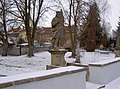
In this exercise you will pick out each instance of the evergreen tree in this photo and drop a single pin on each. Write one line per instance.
(92, 31)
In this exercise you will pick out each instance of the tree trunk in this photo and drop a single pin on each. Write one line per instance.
(71, 35)
(75, 34)
(31, 49)
(4, 36)
(5, 49)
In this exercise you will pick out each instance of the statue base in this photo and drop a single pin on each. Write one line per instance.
(57, 57)
(117, 53)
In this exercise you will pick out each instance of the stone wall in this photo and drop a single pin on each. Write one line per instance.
(105, 71)
(17, 51)
(60, 78)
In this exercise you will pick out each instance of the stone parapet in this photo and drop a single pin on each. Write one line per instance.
(29, 78)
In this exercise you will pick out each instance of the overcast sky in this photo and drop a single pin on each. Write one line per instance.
(115, 12)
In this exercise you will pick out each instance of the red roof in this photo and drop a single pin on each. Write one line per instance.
(48, 30)
(15, 30)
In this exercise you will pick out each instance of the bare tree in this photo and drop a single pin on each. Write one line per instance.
(78, 13)
(29, 11)
(5, 9)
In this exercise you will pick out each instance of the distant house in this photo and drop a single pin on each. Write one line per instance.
(13, 34)
(45, 34)
(68, 36)
(23, 36)
(17, 34)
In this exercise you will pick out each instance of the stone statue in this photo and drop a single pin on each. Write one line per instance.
(58, 29)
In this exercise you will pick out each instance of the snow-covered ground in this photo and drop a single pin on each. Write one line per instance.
(115, 84)
(12, 65)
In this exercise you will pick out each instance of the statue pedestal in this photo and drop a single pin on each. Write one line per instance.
(117, 51)
(57, 57)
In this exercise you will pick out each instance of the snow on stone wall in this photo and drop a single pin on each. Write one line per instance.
(60, 78)
(105, 71)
